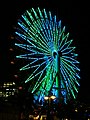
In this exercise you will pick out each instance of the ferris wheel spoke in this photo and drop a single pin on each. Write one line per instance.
(26, 20)
(71, 59)
(51, 31)
(70, 63)
(61, 34)
(69, 67)
(70, 86)
(66, 82)
(65, 74)
(38, 82)
(66, 45)
(52, 26)
(64, 42)
(32, 56)
(23, 26)
(33, 48)
(74, 55)
(36, 73)
(67, 50)
(37, 27)
(45, 82)
(72, 73)
(40, 23)
(70, 78)
(44, 71)
(36, 38)
(41, 35)
(65, 79)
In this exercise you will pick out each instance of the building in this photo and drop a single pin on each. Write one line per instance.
(7, 89)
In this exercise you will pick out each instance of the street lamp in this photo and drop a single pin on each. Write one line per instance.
(49, 98)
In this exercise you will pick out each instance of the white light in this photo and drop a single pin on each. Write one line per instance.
(13, 83)
(46, 98)
(7, 89)
(5, 84)
(6, 95)
(8, 84)
(76, 110)
(50, 97)
(53, 97)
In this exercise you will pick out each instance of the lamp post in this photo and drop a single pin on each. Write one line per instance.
(49, 98)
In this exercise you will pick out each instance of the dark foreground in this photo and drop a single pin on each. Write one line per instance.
(10, 111)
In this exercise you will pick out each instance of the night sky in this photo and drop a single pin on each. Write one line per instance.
(75, 16)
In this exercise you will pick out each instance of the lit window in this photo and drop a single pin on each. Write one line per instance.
(7, 89)
(7, 84)
(12, 93)
(4, 84)
(13, 83)
(9, 93)
(6, 95)
(13, 89)
(10, 84)
(0, 94)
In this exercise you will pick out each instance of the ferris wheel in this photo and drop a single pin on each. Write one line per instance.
(52, 62)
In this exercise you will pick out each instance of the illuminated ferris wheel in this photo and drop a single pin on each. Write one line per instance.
(52, 61)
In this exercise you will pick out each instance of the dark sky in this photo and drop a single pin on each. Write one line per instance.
(74, 15)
